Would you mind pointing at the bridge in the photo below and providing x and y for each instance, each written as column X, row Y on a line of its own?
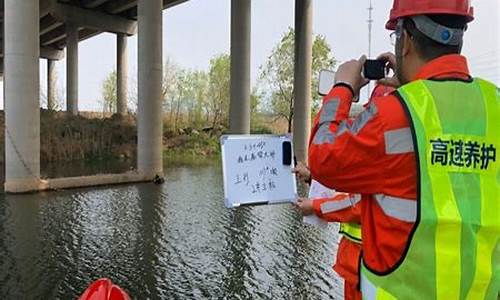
column 51, row 29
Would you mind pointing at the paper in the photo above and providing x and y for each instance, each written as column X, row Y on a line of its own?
column 318, row 191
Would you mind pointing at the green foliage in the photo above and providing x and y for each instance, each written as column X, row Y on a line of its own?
column 196, row 98
column 192, row 149
column 322, row 59
column 261, row 129
column 109, row 98
column 169, row 84
column 278, row 73
column 199, row 105
column 191, row 98
column 184, row 95
column 219, row 89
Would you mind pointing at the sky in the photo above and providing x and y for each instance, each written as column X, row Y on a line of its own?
column 197, row 30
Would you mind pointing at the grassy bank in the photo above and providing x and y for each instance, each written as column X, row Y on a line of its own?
column 195, row 147
column 96, row 137
column 65, row 138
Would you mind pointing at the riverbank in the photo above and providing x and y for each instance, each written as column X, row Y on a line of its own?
column 94, row 137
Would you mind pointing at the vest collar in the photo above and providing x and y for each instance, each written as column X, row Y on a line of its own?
column 449, row 66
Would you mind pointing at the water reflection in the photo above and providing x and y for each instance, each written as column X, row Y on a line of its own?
column 21, row 246
column 174, row 241
column 237, row 258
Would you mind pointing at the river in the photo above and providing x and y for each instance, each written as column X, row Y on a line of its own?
column 170, row 241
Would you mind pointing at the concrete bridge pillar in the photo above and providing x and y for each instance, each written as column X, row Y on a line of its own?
column 121, row 73
column 150, row 126
column 51, row 84
column 22, row 112
column 302, row 78
column 72, row 68
column 239, row 108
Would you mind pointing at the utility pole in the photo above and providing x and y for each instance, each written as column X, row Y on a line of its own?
column 370, row 23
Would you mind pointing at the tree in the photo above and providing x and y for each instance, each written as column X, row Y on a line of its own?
column 199, row 103
column 218, row 89
column 185, row 99
column 278, row 74
column 109, row 92
column 169, row 85
column 322, row 59
column 255, row 99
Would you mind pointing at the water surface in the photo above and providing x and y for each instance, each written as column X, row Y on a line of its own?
column 170, row 241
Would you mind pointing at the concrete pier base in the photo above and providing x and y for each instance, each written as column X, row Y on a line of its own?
column 96, row 180
column 21, row 94
column 17, row 187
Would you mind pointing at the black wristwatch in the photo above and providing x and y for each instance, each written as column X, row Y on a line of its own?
column 355, row 97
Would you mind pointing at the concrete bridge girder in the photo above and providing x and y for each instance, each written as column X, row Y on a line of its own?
column 93, row 19
column 47, row 53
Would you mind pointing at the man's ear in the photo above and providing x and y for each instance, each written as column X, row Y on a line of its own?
column 408, row 46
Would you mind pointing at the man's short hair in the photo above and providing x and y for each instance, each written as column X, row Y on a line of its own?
column 427, row 48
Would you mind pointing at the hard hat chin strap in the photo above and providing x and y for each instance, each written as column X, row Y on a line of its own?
column 437, row 32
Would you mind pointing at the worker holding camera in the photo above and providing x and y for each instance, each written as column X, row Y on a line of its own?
column 424, row 158
column 344, row 209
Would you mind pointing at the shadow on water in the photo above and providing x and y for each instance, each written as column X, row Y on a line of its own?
column 236, row 254
column 151, row 215
column 170, row 241
column 19, row 247
column 85, row 167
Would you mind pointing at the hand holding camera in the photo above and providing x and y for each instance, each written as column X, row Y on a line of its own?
column 349, row 73
column 358, row 73
column 389, row 60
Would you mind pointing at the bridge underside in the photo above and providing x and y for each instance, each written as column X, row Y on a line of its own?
column 52, row 29
column 92, row 17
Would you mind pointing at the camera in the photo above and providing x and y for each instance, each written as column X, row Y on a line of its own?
column 374, row 69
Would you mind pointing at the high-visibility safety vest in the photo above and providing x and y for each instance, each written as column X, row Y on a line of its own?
column 454, row 249
column 351, row 231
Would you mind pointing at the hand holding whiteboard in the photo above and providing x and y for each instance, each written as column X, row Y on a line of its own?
column 254, row 171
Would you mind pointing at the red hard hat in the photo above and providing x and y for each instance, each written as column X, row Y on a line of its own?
column 104, row 289
column 407, row 8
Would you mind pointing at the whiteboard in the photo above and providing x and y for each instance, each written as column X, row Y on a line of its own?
column 253, row 170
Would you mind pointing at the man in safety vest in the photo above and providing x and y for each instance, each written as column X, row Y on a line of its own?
column 424, row 159
column 349, row 249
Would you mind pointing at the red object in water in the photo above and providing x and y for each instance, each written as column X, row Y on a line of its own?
column 104, row 289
